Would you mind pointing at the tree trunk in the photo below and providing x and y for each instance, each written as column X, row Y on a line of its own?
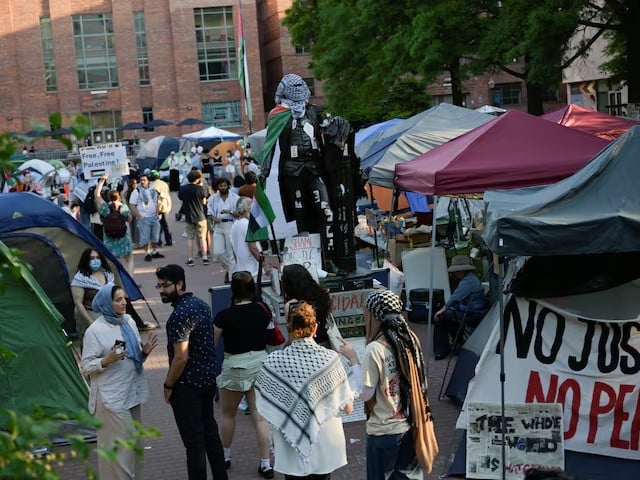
column 632, row 36
column 534, row 99
column 457, row 93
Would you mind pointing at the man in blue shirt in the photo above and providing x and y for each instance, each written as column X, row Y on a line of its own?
column 465, row 308
column 190, row 384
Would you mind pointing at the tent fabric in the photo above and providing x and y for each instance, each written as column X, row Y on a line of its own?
column 596, row 210
column 366, row 136
column 511, row 151
column 52, row 242
column 591, row 121
column 212, row 133
column 438, row 125
column 155, row 150
column 44, row 371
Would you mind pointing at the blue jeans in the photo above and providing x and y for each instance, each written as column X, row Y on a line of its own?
column 392, row 457
column 193, row 412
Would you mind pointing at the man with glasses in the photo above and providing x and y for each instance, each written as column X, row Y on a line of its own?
column 190, row 384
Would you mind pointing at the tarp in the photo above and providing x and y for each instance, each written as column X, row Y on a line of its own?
column 44, row 371
column 366, row 136
column 591, row 121
column 511, row 151
column 596, row 210
column 437, row 126
column 212, row 133
column 52, row 242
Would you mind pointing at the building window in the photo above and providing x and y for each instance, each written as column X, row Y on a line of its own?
column 216, row 43
column 141, row 48
column 507, row 94
column 46, row 37
column 302, row 51
column 222, row 114
column 104, row 126
column 95, row 51
column 147, row 116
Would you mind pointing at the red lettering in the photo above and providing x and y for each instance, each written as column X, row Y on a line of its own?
column 574, row 386
column 620, row 416
column 534, row 389
column 598, row 408
column 635, row 427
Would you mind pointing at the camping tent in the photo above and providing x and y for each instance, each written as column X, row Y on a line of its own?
column 591, row 121
column 511, row 151
column 365, row 137
column 155, row 150
column 44, row 371
column 438, row 125
column 52, row 242
column 571, row 324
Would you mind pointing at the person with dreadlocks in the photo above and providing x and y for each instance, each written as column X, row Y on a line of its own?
column 400, row 437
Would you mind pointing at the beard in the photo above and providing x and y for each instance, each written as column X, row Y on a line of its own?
column 169, row 297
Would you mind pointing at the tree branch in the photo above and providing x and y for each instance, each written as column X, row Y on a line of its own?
column 582, row 49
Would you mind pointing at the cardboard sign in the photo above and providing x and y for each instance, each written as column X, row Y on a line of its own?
column 304, row 250
column 532, row 433
column 108, row 158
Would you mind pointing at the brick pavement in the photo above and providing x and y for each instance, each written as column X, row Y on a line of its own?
column 165, row 457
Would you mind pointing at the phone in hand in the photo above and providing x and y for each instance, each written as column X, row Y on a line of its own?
column 121, row 346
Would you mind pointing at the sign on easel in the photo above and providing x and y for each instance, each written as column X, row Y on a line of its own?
column 534, row 438
column 304, row 250
column 108, row 158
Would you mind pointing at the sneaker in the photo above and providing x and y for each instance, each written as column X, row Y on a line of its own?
column 190, row 263
column 265, row 472
column 148, row 257
column 184, row 235
column 157, row 255
column 205, row 261
column 227, row 463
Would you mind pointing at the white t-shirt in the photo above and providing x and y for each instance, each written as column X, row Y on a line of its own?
column 216, row 204
column 244, row 260
column 380, row 370
column 145, row 209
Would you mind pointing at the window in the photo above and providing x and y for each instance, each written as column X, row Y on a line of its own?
column 216, row 43
column 95, row 51
column 141, row 48
column 507, row 94
column 302, row 51
column 147, row 116
column 46, row 38
column 222, row 114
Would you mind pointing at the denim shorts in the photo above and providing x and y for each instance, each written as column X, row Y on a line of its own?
column 239, row 371
column 148, row 230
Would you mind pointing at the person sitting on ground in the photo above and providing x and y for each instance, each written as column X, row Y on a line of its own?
column 465, row 308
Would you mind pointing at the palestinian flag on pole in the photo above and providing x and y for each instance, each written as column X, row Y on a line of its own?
column 243, row 68
column 261, row 216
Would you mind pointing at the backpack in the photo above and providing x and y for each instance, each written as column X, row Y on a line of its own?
column 114, row 224
column 90, row 202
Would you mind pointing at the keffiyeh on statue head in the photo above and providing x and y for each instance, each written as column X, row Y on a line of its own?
column 293, row 92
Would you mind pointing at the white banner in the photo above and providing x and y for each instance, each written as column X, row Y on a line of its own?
column 108, row 158
column 590, row 367
column 533, row 439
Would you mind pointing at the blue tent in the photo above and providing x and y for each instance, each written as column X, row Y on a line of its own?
column 52, row 241
column 155, row 150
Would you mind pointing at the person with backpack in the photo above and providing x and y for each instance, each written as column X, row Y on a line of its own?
column 115, row 214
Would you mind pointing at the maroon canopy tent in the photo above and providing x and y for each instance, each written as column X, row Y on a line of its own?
column 591, row 121
column 514, row 150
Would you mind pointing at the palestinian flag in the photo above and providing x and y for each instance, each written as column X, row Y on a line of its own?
column 261, row 216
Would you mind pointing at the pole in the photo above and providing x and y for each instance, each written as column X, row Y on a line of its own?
column 430, row 312
column 275, row 242
column 500, row 270
column 375, row 232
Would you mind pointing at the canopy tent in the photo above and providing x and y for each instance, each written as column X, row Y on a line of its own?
column 46, row 171
column 366, row 136
column 438, row 125
column 511, row 151
column 211, row 134
column 591, row 121
column 595, row 212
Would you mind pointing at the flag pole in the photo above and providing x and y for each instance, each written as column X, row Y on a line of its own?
column 243, row 69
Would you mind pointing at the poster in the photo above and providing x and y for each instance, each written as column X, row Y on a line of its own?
column 108, row 158
column 304, row 250
column 591, row 367
column 533, row 438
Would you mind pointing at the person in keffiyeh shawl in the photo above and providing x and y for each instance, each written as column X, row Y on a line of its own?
column 301, row 391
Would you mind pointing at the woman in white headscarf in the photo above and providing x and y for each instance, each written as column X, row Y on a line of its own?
column 112, row 357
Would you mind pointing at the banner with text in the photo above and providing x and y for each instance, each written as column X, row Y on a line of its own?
column 108, row 158
column 533, row 439
column 590, row 367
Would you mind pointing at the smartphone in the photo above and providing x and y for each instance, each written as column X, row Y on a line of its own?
column 120, row 345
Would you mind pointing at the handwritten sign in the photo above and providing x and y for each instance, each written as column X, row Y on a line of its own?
column 304, row 250
column 108, row 158
column 533, row 436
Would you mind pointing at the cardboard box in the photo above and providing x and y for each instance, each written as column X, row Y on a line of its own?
column 395, row 246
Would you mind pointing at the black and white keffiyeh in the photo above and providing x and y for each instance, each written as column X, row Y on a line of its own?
column 299, row 388
column 293, row 92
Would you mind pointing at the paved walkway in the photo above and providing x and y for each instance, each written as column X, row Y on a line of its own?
column 165, row 456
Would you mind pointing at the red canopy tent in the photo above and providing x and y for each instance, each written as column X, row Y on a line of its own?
column 514, row 150
column 591, row 121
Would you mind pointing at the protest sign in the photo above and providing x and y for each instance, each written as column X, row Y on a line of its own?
column 304, row 250
column 108, row 158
